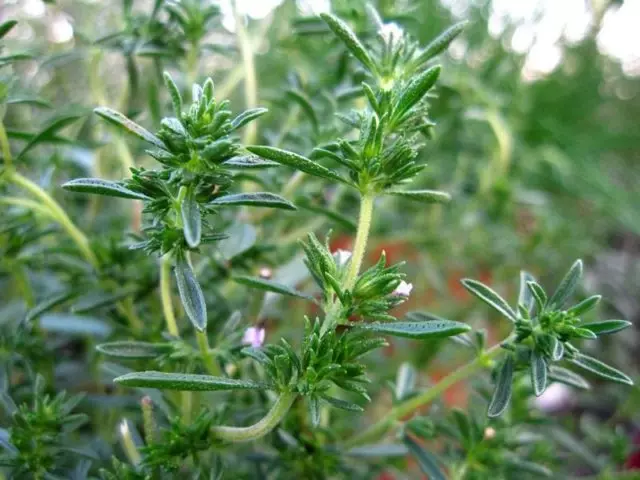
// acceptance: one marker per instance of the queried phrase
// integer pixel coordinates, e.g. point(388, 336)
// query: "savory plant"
point(209, 188)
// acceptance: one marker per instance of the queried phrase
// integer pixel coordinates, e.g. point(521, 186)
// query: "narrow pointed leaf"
point(271, 286)
point(502, 392)
point(185, 382)
point(351, 41)
point(423, 196)
point(538, 373)
point(416, 90)
point(48, 304)
point(130, 126)
point(247, 162)
point(191, 220)
point(585, 305)
point(584, 333)
point(174, 92)
point(557, 349)
point(562, 375)
point(256, 199)
point(490, 297)
point(606, 326)
point(314, 410)
point(567, 285)
point(520, 465)
point(247, 116)
point(427, 461)
point(191, 295)
point(296, 161)
point(441, 42)
point(417, 330)
point(538, 295)
point(342, 404)
point(134, 350)
point(600, 368)
point(49, 131)
point(6, 27)
point(525, 297)
point(102, 187)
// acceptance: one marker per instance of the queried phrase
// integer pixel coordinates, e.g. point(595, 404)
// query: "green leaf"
point(538, 295)
point(191, 295)
point(130, 126)
point(95, 300)
point(255, 199)
point(502, 392)
point(314, 410)
point(270, 286)
point(441, 42)
point(296, 161)
point(538, 373)
point(191, 220)
point(47, 304)
point(174, 92)
point(5, 27)
point(405, 381)
point(247, 116)
point(525, 297)
point(134, 350)
point(599, 368)
point(584, 333)
point(246, 162)
point(562, 375)
point(67, 324)
point(423, 196)
point(185, 382)
point(415, 90)
point(49, 131)
point(102, 187)
point(606, 326)
point(28, 100)
point(567, 285)
point(427, 461)
point(419, 330)
point(557, 349)
point(344, 33)
point(490, 297)
point(342, 404)
point(378, 450)
point(585, 305)
point(520, 465)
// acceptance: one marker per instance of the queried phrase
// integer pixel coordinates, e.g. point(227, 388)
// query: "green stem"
point(250, 81)
point(378, 429)
point(260, 428)
point(59, 214)
point(165, 295)
point(5, 148)
point(205, 350)
point(362, 235)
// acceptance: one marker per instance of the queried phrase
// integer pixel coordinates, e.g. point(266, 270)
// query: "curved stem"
point(59, 214)
point(362, 235)
point(260, 428)
point(403, 409)
point(165, 295)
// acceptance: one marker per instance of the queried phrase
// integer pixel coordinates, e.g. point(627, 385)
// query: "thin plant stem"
point(250, 80)
point(362, 235)
point(165, 295)
point(5, 148)
point(260, 428)
point(205, 350)
point(378, 429)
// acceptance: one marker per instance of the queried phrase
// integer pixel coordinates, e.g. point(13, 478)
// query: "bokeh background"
point(537, 138)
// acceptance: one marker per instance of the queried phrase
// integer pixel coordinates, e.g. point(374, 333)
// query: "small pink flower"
point(342, 257)
point(266, 273)
point(254, 336)
point(403, 289)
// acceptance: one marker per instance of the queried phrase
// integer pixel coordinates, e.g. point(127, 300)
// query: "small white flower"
point(389, 31)
point(556, 397)
point(254, 336)
point(341, 257)
point(403, 289)
point(266, 273)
